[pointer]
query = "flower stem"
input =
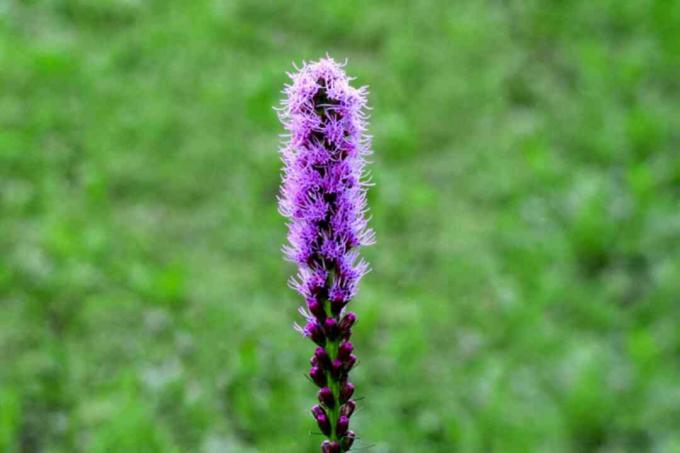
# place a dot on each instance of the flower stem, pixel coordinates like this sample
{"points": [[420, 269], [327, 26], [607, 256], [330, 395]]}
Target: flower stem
{"points": [[332, 350]]}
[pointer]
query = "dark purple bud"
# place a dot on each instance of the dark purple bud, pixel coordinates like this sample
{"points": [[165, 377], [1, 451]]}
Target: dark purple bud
{"points": [[314, 331], [324, 424], [316, 281], [318, 411], [346, 324], [348, 408], [337, 369], [316, 309], [331, 328], [321, 291], [345, 350], [342, 426], [337, 305], [322, 420], [325, 396], [322, 358], [330, 447], [348, 320], [346, 392], [349, 363], [348, 440], [318, 376]]}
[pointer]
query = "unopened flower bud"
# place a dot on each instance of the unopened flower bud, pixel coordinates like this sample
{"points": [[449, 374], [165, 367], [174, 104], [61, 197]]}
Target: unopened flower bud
{"points": [[337, 369], [318, 411], [325, 396], [349, 363], [331, 328], [348, 440], [345, 350], [314, 331], [346, 392], [329, 446], [322, 358], [316, 309], [346, 324], [348, 408], [337, 305], [322, 420], [342, 426], [318, 376]]}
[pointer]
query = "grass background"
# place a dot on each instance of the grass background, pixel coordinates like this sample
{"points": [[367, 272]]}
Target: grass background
{"points": [[526, 278]]}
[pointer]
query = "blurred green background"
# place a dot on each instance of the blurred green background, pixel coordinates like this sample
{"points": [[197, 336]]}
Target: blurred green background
{"points": [[526, 278]]}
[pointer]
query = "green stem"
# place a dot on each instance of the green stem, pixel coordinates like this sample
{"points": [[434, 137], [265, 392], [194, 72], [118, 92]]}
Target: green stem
{"points": [[332, 350]]}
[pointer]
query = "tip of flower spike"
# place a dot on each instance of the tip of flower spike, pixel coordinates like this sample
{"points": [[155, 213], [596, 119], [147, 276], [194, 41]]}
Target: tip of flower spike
{"points": [[307, 79]]}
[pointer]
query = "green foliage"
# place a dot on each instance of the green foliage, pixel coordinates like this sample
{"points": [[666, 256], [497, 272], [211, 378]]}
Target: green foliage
{"points": [[525, 287], [10, 413]]}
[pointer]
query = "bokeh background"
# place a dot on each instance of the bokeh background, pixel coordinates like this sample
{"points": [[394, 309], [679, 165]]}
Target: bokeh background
{"points": [[526, 278]]}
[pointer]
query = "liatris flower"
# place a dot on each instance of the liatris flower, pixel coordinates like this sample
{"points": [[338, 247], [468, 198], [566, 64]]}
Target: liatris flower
{"points": [[324, 196]]}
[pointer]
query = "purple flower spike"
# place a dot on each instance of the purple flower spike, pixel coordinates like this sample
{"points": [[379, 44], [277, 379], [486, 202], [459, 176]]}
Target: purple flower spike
{"points": [[323, 195]]}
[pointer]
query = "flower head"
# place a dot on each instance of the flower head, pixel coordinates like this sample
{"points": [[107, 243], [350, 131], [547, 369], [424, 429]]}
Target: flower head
{"points": [[323, 192], [323, 195]]}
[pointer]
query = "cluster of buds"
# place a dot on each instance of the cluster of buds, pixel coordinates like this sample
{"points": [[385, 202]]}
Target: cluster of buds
{"points": [[335, 394], [324, 196]]}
